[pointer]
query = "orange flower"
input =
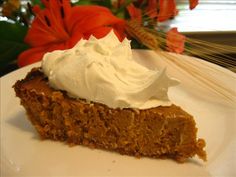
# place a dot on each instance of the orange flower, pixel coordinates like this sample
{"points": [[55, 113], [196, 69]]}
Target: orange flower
{"points": [[135, 13], [193, 4], [175, 41], [60, 26], [152, 8], [167, 10]]}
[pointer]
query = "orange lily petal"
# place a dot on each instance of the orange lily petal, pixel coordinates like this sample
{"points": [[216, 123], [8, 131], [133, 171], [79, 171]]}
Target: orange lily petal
{"points": [[36, 9], [167, 10], [101, 32], [175, 41], [152, 8], [80, 13], [85, 18], [49, 24], [76, 36], [98, 32], [193, 4], [35, 54], [135, 13], [30, 56], [119, 30]]}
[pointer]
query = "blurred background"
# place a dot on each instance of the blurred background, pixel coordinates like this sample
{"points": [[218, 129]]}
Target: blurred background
{"points": [[212, 21]]}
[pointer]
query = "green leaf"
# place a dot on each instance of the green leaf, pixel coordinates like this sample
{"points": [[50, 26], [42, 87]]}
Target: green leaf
{"points": [[120, 14], [9, 50], [11, 42], [12, 31], [105, 3], [83, 2], [37, 2], [136, 45]]}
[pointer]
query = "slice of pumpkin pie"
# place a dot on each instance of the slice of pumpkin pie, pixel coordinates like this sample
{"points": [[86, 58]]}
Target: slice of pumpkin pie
{"points": [[96, 95]]}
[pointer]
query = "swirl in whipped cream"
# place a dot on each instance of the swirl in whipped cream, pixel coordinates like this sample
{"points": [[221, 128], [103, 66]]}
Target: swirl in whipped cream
{"points": [[104, 71]]}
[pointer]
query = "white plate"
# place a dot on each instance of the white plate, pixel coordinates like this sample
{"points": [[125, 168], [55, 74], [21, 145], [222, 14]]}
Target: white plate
{"points": [[23, 154]]}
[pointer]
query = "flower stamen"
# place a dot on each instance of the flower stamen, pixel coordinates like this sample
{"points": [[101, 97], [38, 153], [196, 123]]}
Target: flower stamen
{"points": [[47, 21], [62, 12]]}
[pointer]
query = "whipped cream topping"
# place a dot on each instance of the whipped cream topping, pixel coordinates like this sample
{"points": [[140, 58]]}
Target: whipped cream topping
{"points": [[104, 71]]}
